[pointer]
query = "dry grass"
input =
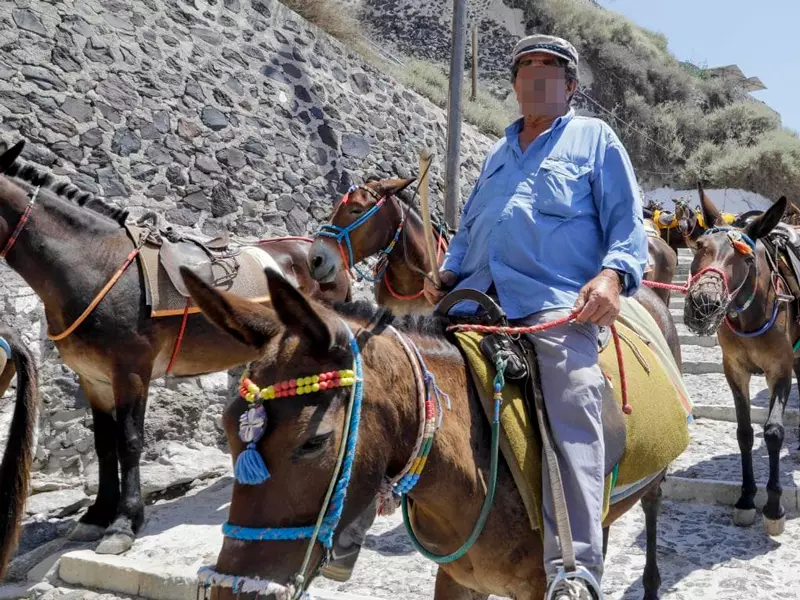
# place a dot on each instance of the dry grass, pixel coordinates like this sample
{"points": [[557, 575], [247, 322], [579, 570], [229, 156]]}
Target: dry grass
{"points": [[487, 113], [329, 16]]}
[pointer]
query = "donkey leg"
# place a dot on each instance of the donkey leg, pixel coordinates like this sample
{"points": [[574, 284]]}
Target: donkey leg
{"points": [[774, 513], [448, 588], [131, 400], [797, 378], [651, 579], [94, 522], [744, 511], [605, 541]]}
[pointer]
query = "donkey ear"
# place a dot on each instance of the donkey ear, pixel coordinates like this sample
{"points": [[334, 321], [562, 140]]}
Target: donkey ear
{"points": [[9, 156], [248, 322], [711, 214], [392, 187], [763, 224], [296, 312]]}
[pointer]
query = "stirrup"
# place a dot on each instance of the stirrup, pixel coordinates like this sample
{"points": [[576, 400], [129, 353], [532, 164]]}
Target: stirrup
{"points": [[580, 573]]}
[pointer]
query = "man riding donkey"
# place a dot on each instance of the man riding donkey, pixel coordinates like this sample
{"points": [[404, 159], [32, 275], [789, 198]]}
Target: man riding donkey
{"points": [[553, 226]]}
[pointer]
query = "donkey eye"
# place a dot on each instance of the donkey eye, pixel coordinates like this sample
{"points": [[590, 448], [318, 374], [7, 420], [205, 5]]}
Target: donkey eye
{"points": [[356, 211], [313, 446]]}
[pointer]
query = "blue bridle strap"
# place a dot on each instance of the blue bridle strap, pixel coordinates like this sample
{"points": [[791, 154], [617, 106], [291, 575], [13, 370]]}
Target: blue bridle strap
{"points": [[325, 530], [6, 347]]}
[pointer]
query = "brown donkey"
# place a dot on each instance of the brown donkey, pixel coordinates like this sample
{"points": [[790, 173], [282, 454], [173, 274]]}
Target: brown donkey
{"points": [[306, 437], [66, 245], [662, 261], [736, 293], [376, 220], [15, 357]]}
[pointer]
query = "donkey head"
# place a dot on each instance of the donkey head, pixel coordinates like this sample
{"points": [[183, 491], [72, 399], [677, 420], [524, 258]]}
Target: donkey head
{"points": [[725, 274], [370, 215], [285, 432]]}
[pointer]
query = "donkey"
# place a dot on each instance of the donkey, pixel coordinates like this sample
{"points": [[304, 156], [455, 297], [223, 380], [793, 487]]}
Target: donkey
{"points": [[302, 435], [662, 263], [66, 245], [733, 280], [376, 220], [18, 456]]}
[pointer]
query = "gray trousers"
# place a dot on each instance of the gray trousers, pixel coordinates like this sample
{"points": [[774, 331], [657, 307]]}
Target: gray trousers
{"points": [[572, 386]]}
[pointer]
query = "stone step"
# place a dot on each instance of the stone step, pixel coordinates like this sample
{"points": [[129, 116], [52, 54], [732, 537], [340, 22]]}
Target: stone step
{"points": [[712, 390], [710, 469], [699, 548], [698, 360]]}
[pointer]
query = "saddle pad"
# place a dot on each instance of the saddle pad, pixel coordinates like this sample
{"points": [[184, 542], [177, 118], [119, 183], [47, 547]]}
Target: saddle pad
{"points": [[165, 300], [657, 430]]}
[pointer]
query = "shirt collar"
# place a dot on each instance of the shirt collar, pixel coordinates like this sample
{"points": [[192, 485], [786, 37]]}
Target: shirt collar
{"points": [[512, 131]]}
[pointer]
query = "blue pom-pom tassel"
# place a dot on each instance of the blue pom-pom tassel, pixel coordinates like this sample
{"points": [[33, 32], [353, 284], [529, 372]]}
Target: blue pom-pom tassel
{"points": [[250, 468]]}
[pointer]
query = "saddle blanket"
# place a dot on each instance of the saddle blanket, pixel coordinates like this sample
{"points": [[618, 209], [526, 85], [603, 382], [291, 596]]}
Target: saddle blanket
{"points": [[656, 431], [242, 274]]}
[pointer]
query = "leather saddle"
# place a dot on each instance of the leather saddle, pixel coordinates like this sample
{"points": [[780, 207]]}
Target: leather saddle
{"points": [[522, 366], [178, 250]]}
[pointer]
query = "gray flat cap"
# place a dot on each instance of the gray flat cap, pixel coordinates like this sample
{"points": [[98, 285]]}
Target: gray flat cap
{"points": [[549, 44]]}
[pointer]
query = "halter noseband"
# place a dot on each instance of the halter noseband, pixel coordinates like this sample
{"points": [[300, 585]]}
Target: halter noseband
{"points": [[744, 245], [342, 234]]}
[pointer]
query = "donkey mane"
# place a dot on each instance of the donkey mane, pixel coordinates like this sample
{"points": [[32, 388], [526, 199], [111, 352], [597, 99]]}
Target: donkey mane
{"points": [[66, 190], [423, 324]]}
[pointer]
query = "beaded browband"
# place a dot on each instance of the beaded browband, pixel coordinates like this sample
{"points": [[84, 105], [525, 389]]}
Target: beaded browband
{"points": [[250, 468]]}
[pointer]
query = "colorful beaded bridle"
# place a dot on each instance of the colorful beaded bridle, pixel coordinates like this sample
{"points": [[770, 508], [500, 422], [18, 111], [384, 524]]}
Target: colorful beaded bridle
{"points": [[250, 468]]}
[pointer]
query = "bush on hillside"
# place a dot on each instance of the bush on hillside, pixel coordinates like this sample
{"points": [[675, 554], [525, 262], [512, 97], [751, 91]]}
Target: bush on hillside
{"points": [[771, 165]]}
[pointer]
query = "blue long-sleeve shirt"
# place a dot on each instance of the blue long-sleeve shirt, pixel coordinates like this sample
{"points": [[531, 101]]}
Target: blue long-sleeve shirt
{"points": [[541, 224]]}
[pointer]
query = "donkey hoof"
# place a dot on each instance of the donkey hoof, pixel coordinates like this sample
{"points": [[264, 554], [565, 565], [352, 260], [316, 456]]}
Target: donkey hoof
{"points": [[116, 543], [744, 517], [86, 532], [775, 527]]}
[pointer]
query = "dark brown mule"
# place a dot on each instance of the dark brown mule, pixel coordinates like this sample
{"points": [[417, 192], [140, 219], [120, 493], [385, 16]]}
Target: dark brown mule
{"points": [[19, 452], [733, 282], [297, 338], [67, 251], [663, 262], [392, 228]]}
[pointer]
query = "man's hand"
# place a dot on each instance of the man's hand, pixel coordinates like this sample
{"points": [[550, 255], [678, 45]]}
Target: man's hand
{"points": [[598, 300], [434, 294]]}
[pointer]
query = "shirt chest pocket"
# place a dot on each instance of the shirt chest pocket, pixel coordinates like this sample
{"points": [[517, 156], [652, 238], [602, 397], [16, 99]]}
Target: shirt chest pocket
{"points": [[488, 188], [562, 189]]}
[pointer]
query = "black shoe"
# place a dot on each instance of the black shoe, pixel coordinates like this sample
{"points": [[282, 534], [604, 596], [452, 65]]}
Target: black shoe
{"points": [[573, 589]]}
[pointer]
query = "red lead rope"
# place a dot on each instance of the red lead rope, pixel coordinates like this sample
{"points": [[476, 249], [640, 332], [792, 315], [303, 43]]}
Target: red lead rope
{"points": [[626, 408]]}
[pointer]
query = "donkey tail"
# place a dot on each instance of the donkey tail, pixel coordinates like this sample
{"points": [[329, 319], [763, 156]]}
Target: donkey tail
{"points": [[18, 456]]}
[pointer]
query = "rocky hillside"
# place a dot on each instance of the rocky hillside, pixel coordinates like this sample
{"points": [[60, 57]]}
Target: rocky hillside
{"points": [[680, 123], [229, 115]]}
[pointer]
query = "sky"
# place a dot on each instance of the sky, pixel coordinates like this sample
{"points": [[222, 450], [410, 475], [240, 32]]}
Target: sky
{"points": [[761, 37]]}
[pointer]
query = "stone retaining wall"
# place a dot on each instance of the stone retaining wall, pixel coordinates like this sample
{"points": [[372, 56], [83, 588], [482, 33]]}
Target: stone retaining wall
{"points": [[219, 115]]}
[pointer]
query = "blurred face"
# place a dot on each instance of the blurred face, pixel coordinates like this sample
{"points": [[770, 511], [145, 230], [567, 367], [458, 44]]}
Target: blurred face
{"points": [[541, 86]]}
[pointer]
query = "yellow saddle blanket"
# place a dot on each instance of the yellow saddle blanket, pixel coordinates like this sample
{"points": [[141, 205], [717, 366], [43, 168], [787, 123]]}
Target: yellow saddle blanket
{"points": [[656, 431]]}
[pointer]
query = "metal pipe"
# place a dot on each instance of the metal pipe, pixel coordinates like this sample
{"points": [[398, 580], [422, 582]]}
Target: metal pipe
{"points": [[451, 192]]}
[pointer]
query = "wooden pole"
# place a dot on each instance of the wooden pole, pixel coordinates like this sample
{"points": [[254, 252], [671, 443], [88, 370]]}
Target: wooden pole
{"points": [[451, 192], [424, 164], [474, 96]]}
